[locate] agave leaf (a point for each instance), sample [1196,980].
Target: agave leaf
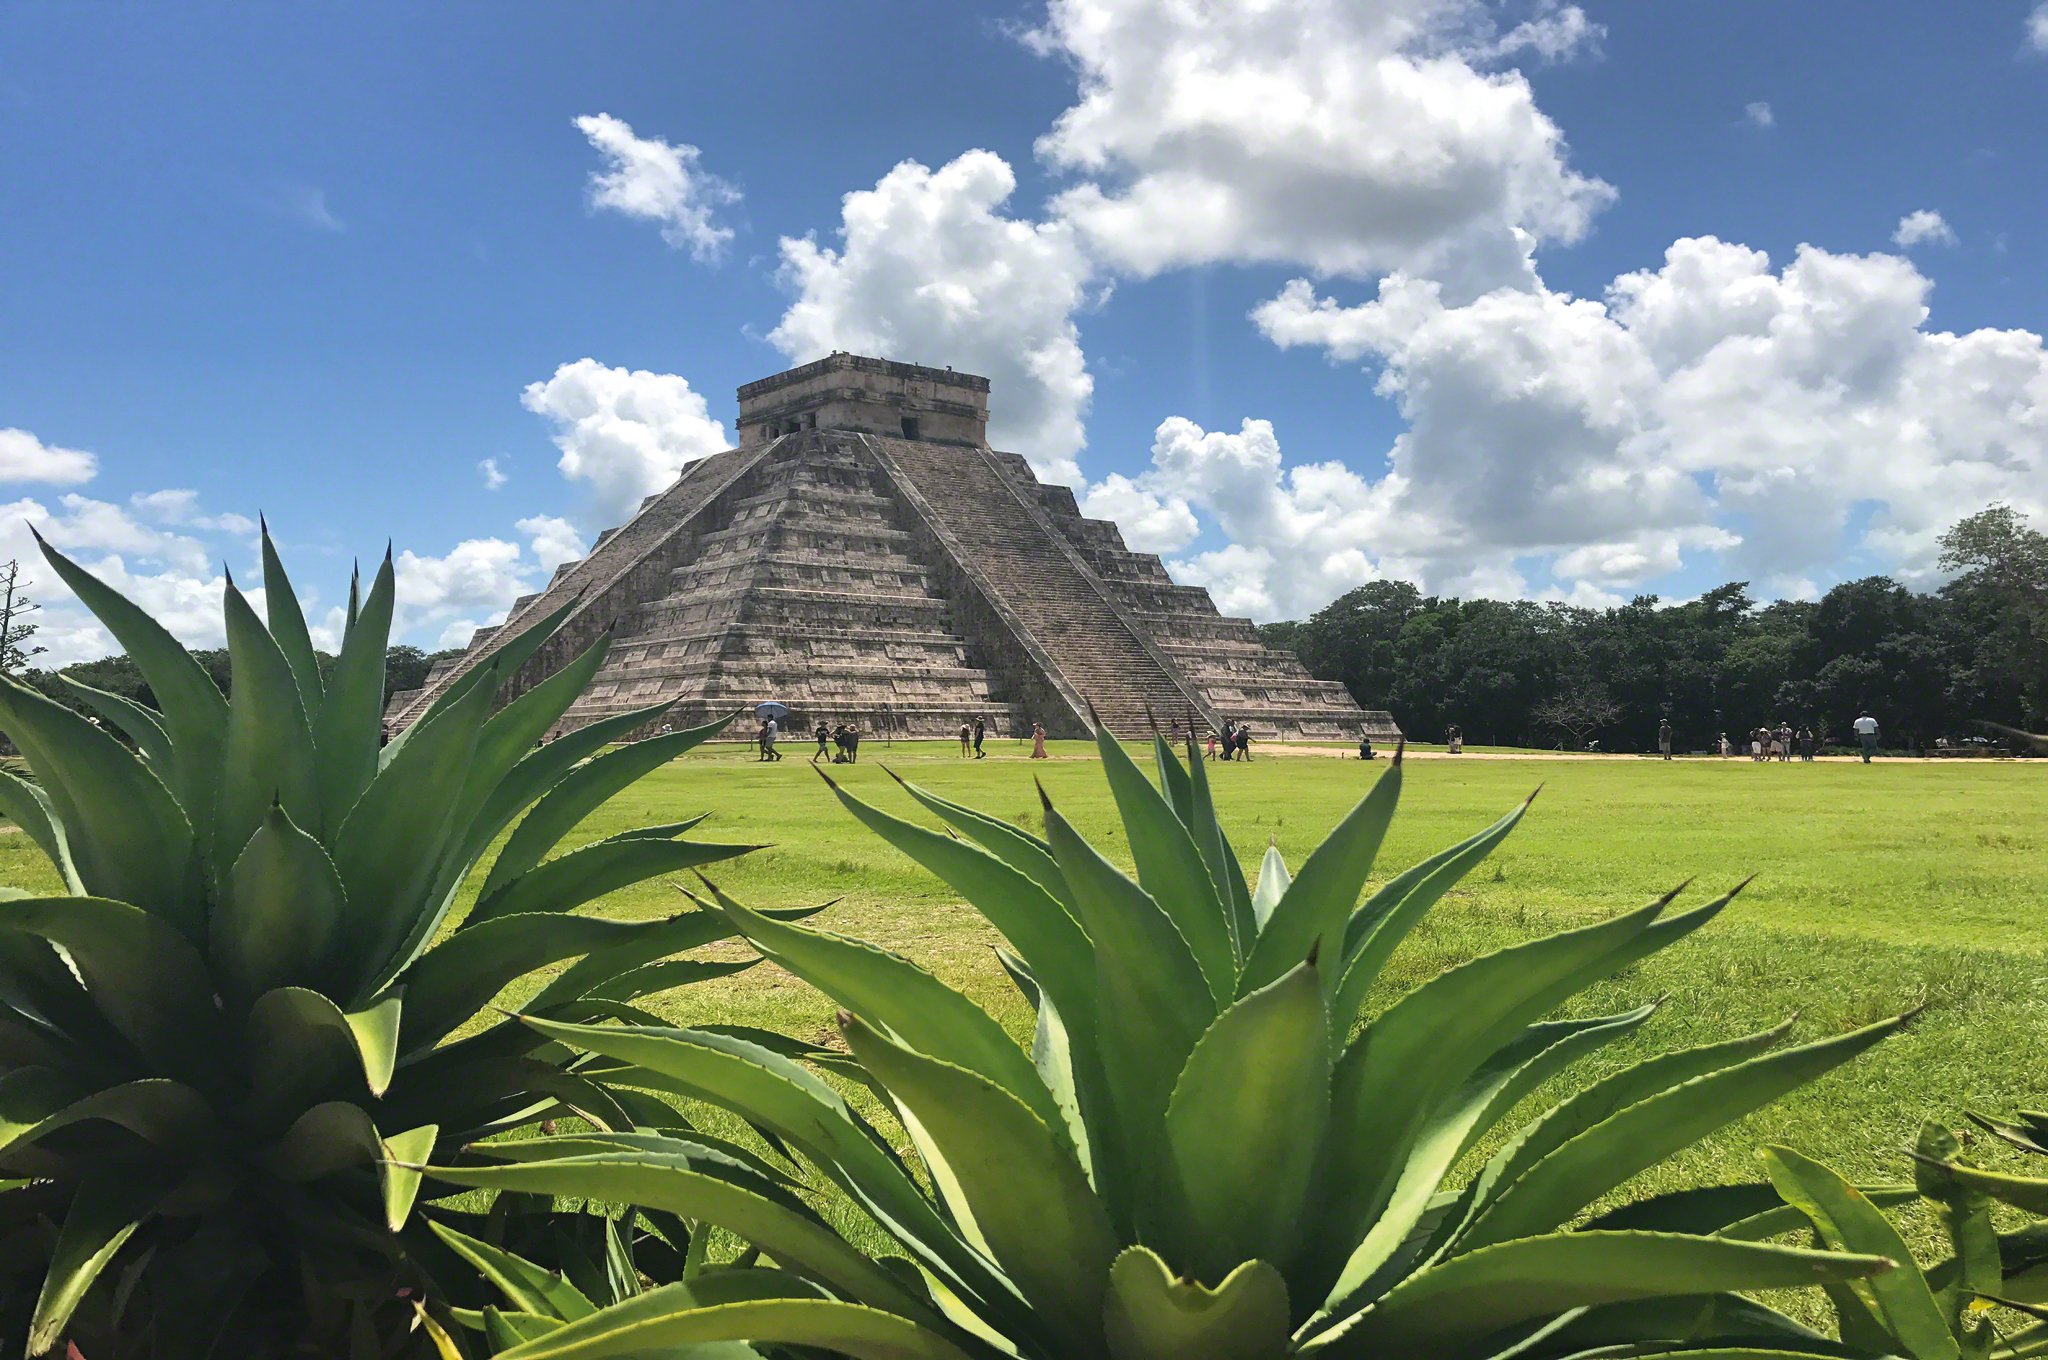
[126,835]
[338,1135]
[36,982]
[1965,1213]
[141,725]
[437,1335]
[724,1308]
[1617,1091]
[388,849]
[1273,881]
[1465,1117]
[105,1212]
[531,1288]
[1025,1192]
[1847,1221]
[510,736]
[1173,779]
[1151,1006]
[697,1187]
[1171,869]
[1378,927]
[577,794]
[677,933]
[288,626]
[488,672]
[194,712]
[666,975]
[283,905]
[2021,1192]
[1317,904]
[1747,1212]
[1424,1046]
[452,981]
[1643,1134]
[582,875]
[1224,870]
[36,1102]
[300,1044]
[695,1144]
[1035,922]
[140,972]
[31,810]
[1153,1315]
[1473,1296]
[269,755]
[349,724]
[503,1330]
[776,1094]
[1244,1129]
[1013,845]
[913,1006]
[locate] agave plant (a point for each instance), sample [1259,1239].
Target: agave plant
[1219,1144]
[218,1044]
[1950,1311]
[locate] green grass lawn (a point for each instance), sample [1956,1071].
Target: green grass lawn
[1877,888]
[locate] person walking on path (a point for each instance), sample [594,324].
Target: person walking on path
[1244,741]
[980,735]
[1038,741]
[824,735]
[965,733]
[1721,740]
[1229,739]
[769,732]
[1866,735]
[1664,738]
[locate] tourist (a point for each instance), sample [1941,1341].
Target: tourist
[1721,741]
[1866,735]
[1038,741]
[1806,744]
[1244,741]
[980,735]
[1757,738]
[966,734]
[1664,738]
[823,735]
[1212,743]
[1365,751]
[853,743]
[1454,739]
[769,732]
[1774,749]
[1229,739]
[1784,735]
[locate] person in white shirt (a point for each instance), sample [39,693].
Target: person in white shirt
[1866,734]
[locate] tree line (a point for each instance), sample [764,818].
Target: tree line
[1514,672]
[405,667]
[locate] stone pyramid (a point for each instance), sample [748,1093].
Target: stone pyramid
[863,556]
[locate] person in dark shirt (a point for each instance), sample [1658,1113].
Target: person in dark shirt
[980,735]
[823,734]
[1244,741]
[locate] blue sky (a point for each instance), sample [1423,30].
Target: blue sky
[324,261]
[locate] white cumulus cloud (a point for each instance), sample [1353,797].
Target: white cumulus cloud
[627,433]
[1347,138]
[1923,227]
[1759,114]
[1712,403]
[659,181]
[2037,27]
[493,475]
[25,458]
[929,270]
[554,540]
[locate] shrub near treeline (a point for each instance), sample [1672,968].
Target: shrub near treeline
[1530,674]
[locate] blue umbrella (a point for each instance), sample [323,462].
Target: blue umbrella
[773,708]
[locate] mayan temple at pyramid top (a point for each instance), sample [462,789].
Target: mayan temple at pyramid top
[863,556]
